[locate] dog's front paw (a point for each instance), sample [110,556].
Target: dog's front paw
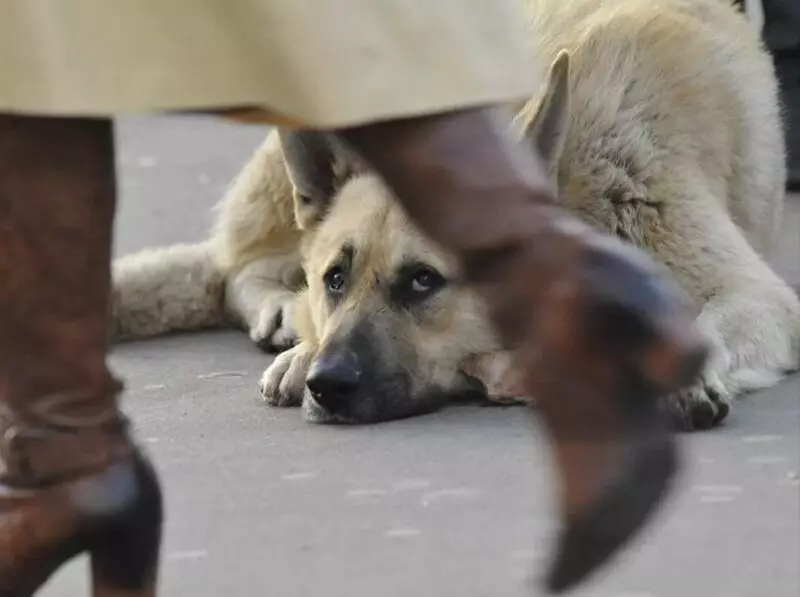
[284,381]
[701,406]
[274,329]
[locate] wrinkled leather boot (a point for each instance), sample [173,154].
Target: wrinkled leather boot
[599,332]
[71,479]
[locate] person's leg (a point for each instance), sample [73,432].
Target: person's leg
[599,333]
[71,473]
[71,478]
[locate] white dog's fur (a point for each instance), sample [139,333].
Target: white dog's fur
[666,133]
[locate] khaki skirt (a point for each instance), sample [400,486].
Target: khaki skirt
[319,63]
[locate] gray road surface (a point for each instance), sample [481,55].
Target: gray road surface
[453,504]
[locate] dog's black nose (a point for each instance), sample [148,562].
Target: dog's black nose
[334,379]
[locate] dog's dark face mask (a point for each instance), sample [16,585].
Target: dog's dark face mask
[375,363]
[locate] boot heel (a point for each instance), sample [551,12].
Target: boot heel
[125,549]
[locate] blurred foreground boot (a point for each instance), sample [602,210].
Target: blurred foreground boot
[599,332]
[72,480]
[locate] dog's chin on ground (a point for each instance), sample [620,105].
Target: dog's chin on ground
[470,391]
[314,413]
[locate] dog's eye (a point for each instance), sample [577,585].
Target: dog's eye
[335,279]
[426,280]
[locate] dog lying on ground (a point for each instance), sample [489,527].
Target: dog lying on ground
[659,122]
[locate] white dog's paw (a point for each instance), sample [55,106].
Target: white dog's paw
[274,330]
[701,406]
[284,381]
[753,342]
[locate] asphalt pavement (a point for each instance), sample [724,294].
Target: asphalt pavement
[456,503]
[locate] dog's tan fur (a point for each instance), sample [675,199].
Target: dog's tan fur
[661,124]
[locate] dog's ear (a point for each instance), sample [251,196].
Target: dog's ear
[547,128]
[310,162]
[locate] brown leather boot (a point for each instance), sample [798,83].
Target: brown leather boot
[600,334]
[71,478]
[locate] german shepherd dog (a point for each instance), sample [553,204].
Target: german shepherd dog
[659,122]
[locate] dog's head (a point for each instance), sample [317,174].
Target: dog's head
[393,325]
[384,306]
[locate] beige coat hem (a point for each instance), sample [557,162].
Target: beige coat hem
[318,63]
